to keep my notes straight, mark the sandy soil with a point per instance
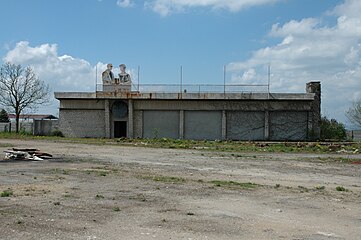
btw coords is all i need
(113, 192)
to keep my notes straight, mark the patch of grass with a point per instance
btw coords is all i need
(56, 203)
(99, 196)
(103, 174)
(68, 195)
(139, 197)
(6, 193)
(320, 187)
(341, 189)
(303, 189)
(247, 185)
(166, 179)
(116, 209)
(221, 146)
(277, 185)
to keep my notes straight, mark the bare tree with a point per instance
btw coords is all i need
(20, 89)
(354, 113)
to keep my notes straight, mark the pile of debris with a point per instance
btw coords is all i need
(26, 154)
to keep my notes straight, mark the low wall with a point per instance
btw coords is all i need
(11, 127)
(45, 127)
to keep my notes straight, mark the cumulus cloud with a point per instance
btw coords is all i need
(167, 7)
(62, 73)
(309, 50)
(125, 3)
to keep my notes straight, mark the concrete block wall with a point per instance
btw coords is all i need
(161, 124)
(45, 127)
(82, 123)
(289, 125)
(208, 116)
(138, 124)
(203, 125)
(245, 125)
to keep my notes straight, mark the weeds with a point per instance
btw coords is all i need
(229, 146)
(341, 189)
(116, 209)
(6, 193)
(303, 189)
(247, 185)
(166, 179)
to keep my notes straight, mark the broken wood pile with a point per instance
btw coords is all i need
(26, 154)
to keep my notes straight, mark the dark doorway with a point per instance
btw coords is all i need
(120, 129)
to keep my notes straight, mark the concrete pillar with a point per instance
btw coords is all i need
(130, 119)
(181, 124)
(107, 118)
(314, 130)
(266, 125)
(224, 125)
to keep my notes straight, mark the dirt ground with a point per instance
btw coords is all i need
(114, 192)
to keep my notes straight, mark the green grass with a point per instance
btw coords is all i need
(226, 146)
(6, 193)
(116, 209)
(166, 179)
(99, 196)
(232, 184)
(341, 189)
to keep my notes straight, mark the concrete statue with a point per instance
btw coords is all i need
(123, 76)
(107, 75)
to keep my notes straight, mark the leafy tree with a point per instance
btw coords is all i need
(4, 116)
(354, 113)
(331, 129)
(20, 89)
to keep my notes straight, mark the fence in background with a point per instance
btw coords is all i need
(37, 127)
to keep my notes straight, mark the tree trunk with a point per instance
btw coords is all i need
(17, 116)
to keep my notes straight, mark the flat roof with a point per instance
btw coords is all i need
(186, 96)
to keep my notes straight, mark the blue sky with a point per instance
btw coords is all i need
(302, 40)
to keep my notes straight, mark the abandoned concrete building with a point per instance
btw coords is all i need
(116, 111)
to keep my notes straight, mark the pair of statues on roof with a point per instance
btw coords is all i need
(108, 75)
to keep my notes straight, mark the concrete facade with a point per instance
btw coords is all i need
(236, 116)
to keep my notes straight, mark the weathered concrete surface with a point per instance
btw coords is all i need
(161, 124)
(192, 96)
(290, 125)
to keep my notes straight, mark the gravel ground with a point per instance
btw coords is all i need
(114, 192)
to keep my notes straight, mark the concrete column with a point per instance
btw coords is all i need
(107, 118)
(315, 132)
(224, 125)
(130, 119)
(266, 125)
(181, 124)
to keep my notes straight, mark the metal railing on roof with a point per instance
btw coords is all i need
(196, 88)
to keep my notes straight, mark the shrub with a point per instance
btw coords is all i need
(57, 133)
(332, 130)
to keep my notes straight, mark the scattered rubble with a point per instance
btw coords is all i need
(26, 154)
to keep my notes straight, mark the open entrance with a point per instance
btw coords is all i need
(120, 129)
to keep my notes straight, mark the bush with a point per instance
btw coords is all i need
(332, 130)
(57, 133)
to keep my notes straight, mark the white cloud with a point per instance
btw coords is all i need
(309, 50)
(125, 3)
(167, 7)
(62, 73)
